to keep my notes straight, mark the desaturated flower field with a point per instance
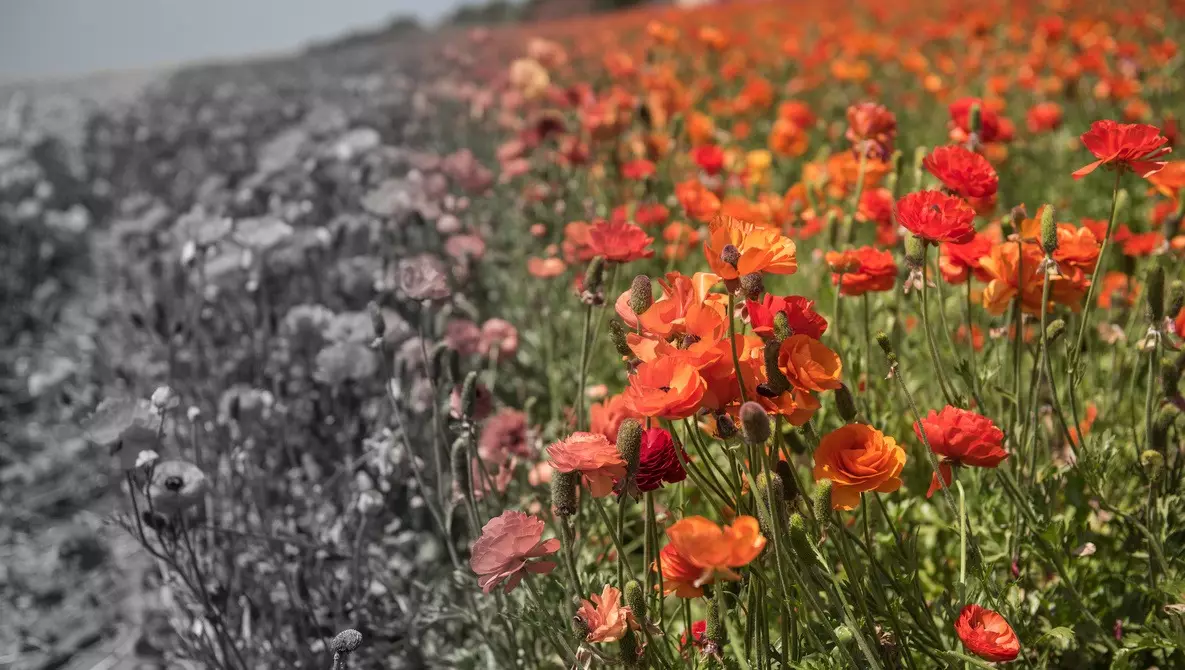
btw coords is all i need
(763, 335)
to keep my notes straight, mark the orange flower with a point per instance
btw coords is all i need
(668, 388)
(680, 293)
(987, 634)
(715, 550)
(545, 268)
(1170, 181)
(605, 417)
(1084, 426)
(592, 455)
(619, 241)
(787, 138)
(862, 270)
(809, 364)
(736, 248)
(679, 575)
(606, 618)
(858, 458)
(1006, 265)
(1117, 290)
(697, 200)
(958, 262)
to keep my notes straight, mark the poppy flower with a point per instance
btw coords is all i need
(508, 548)
(618, 241)
(809, 364)
(714, 550)
(605, 417)
(800, 315)
(937, 217)
(963, 172)
(736, 248)
(679, 575)
(593, 456)
(862, 270)
(667, 388)
(709, 158)
(680, 296)
(498, 335)
(958, 262)
(1134, 146)
(658, 462)
(606, 618)
(961, 437)
(871, 129)
(986, 634)
(858, 458)
(787, 138)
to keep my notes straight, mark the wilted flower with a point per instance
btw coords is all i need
(507, 549)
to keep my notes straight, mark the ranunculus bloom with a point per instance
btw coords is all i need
(1117, 290)
(593, 456)
(709, 158)
(619, 241)
(858, 458)
(667, 388)
(546, 268)
(1043, 117)
(679, 575)
(1006, 265)
(715, 550)
(871, 129)
(504, 435)
(652, 214)
(1136, 146)
(697, 200)
(937, 217)
(964, 172)
(1169, 180)
(607, 619)
(506, 550)
(960, 121)
(424, 277)
(500, 335)
(862, 270)
(958, 262)
(606, 417)
(638, 169)
(658, 462)
(800, 315)
(809, 364)
(987, 635)
(961, 437)
(757, 249)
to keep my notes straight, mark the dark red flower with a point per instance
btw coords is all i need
(964, 172)
(658, 462)
(937, 217)
(800, 314)
(960, 121)
(1135, 146)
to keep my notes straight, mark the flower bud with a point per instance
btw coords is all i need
(1170, 377)
(797, 446)
(915, 252)
(975, 119)
(1054, 330)
(594, 275)
(786, 477)
(754, 423)
(629, 444)
(845, 402)
(1153, 464)
(459, 461)
(842, 632)
(346, 641)
(469, 395)
(821, 501)
(1048, 231)
(765, 504)
(635, 599)
(716, 633)
(641, 294)
(376, 319)
(617, 335)
(753, 285)
(782, 329)
(730, 255)
(801, 540)
(580, 628)
(897, 162)
(1154, 294)
(563, 493)
(777, 384)
(1165, 418)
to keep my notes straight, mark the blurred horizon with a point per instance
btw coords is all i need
(62, 39)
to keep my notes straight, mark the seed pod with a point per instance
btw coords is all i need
(594, 275)
(1165, 418)
(563, 493)
(580, 628)
(1154, 294)
(629, 444)
(346, 641)
(777, 384)
(641, 294)
(765, 504)
(797, 446)
(883, 341)
(377, 322)
(631, 651)
(1016, 217)
(716, 633)
(821, 501)
(730, 255)
(915, 252)
(845, 402)
(897, 161)
(635, 598)
(800, 539)
(1048, 231)
(618, 335)
(754, 423)
(459, 460)
(753, 285)
(790, 491)
(1153, 464)
(1054, 330)
(469, 395)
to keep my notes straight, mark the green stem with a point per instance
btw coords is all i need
(1076, 352)
(931, 344)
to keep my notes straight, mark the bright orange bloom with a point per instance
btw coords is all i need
(960, 437)
(667, 388)
(1006, 265)
(1135, 146)
(862, 270)
(619, 241)
(1170, 180)
(680, 293)
(593, 456)
(987, 634)
(680, 239)
(679, 575)
(809, 364)
(697, 200)
(606, 617)
(858, 458)
(736, 248)
(714, 550)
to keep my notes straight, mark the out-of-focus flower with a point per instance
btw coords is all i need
(937, 217)
(529, 78)
(424, 277)
(498, 335)
(961, 437)
(871, 129)
(1117, 290)
(1134, 146)
(593, 456)
(709, 158)
(545, 268)
(991, 128)
(959, 262)
(679, 575)
(508, 548)
(606, 417)
(463, 336)
(658, 462)
(1044, 117)
(987, 634)
(621, 242)
(503, 436)
(858, 458)
(862, 270)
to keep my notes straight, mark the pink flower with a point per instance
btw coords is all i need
(592, 455)
(463, 336)
(505, 550)
(498, 334)
(607, 619)
(465, 247)
(504, 435)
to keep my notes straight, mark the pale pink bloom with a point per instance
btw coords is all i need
(500, 335)
(504, 435)
(486, 479)
(592, 455)
(506, 549)
(465, 247)
(463, 336)
(607, 619)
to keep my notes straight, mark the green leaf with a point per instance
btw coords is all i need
(1064, 637)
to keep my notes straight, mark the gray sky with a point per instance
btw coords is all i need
(56, 37)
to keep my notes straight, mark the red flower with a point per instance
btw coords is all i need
(710, 158)
(638, 169)
(987, 635)
(1044, 116)
(960, 121)
(658, 461)
(1099, 227)
(937, 217)
(871, 130)
(698, 630)
(1143, 244)
(800, 314)
(961, 437)
(964, 172)
(651, 214)
(620, 242)
(959, 261)
(863, 270)
(1126, 145)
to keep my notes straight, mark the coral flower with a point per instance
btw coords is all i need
(862, 270)
(736, 248)
(606, 618)
(958, 262)
(679, 575)
(697, 200)
(871, 129)
(987, 635)
(858, 458)
(503, 436)
(592, 455)
(651, 215)
(937, 217)
(638, 169)
(964, 172)
(1044, 117)
(961, 437)
(606, 417)
(1134, 146)
(506, 549)
(619, 241)
(667, 388)
(800, 315)
(1170, 180)
(809, 364)
(658, 462)
(715, 550)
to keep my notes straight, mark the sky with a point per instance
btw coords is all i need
(40, 38)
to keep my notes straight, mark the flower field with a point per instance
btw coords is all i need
(757, 335)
